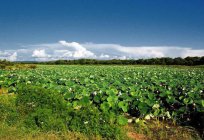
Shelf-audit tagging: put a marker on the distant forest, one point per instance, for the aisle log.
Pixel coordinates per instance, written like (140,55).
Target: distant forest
(189,61)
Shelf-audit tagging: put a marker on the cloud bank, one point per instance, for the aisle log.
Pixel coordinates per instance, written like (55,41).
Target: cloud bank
(75,50)
(79,50)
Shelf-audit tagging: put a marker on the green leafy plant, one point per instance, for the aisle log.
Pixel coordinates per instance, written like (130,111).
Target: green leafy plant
(174,93)
(32,98)
(90,120)
(42,109)
(45,120)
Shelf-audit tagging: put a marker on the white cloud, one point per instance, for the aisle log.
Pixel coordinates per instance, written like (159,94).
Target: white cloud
(62,54)
(75,45)
(79,51)
(142,51)
(191,52)
(8,55)
(40,54)
(135,52)
(4,53)
(74,50)
(13,57)
(102,56)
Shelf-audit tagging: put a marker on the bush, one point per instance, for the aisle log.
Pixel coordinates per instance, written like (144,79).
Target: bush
(45,120)
(5,63)
(32,66)
(41,108)
(8,109)
(2,66)
(91,121)
(24,66)
(32,98)
(46,110)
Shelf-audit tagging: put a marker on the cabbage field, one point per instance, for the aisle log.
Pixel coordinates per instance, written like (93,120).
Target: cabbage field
(123,92)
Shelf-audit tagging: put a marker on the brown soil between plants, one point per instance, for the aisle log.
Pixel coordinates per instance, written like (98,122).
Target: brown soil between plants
(136,136)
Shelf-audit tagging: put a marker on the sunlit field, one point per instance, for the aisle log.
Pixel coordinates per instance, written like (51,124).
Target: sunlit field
(95,102)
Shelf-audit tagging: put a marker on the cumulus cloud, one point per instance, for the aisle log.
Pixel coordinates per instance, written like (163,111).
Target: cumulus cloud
(40,54)
(75,45)
(74,50)
(62,53)
(79,50)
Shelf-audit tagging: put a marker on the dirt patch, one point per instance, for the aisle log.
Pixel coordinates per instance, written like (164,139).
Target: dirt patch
(136,136)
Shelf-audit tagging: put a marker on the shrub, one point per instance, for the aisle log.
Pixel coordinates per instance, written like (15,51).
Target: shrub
(8,109)
(91,121)
(32,66)
(46,110)
(24,66)
(5,63)
(2,66)
(32,98)
(12,117)
(41,108)
(45,120)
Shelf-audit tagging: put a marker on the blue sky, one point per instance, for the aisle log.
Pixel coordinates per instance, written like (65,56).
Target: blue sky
(101,27)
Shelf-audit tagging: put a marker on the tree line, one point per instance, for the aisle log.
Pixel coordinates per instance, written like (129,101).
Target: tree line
(189,61)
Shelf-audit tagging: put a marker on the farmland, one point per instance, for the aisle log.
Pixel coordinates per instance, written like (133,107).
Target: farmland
(101,100)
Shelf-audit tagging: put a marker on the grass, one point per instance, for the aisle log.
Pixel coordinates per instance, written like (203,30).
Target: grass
(161,130)
(151,132)
(3,91)
(18,132)
(143,130)
(12,132)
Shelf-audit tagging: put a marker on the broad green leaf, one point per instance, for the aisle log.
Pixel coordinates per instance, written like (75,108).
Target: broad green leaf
(122,120)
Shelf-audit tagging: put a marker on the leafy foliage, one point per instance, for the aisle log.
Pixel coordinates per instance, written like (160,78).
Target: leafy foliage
(41,108)
(32,98)
(91,121)
(44,119)
(74,94)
